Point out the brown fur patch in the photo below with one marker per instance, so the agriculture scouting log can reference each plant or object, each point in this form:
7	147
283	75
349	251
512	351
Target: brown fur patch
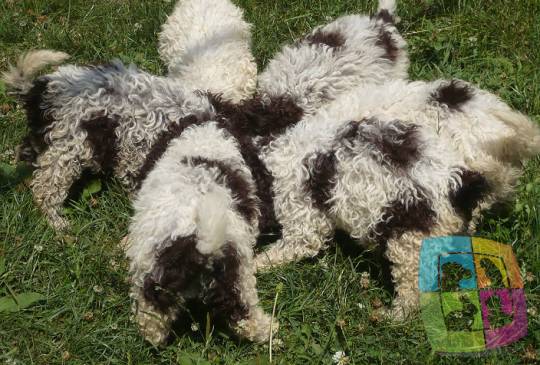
234	180
473	189
38	120
322	173
102	137
36	110
161	143
223	296
385	40
452	94
399	218
257	116
385	16
183	274
178	268
330	39
264	181
264	118
396	142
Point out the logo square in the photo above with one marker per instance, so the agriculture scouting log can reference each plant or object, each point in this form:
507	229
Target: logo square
513	304
471	294
436	307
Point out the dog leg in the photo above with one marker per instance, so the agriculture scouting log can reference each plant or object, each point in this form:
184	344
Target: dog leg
304	240
57	170
258	325
307	227
404	254
154	325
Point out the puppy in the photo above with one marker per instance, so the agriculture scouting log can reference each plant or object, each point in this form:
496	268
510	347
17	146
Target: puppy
349	52
102	118
106	118
392	164
193	232
206	44
192	235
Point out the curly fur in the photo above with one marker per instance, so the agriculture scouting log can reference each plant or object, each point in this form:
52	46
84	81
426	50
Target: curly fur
71	110
192	236
405	168
206	44
334	139
78	106
351	51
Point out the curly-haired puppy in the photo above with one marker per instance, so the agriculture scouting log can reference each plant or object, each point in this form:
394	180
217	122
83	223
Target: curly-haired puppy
202	204
351	51
206	43
392	164
106	118
193	233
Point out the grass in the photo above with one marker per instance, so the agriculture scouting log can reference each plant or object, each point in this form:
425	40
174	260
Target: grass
323	306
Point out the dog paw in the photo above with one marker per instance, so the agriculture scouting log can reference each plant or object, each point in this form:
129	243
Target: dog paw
257	327
396	314
59	223
262	262
153	328
124	243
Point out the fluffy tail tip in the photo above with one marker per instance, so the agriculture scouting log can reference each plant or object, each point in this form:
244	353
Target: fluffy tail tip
212	221
389	5
29	64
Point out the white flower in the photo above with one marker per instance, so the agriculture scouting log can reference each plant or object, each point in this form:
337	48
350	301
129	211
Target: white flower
361	305
323	264
194	327
10	153
364	280
113	263
137	26
277	343
38	248
12	361
340	358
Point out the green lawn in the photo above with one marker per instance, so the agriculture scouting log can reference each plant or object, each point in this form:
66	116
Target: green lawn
84	317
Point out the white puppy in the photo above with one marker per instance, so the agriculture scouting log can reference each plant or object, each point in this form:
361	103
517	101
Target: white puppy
206	44
392	164
352	51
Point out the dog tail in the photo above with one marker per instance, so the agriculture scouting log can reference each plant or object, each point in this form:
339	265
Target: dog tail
212	221
18	78
526	140
388	5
